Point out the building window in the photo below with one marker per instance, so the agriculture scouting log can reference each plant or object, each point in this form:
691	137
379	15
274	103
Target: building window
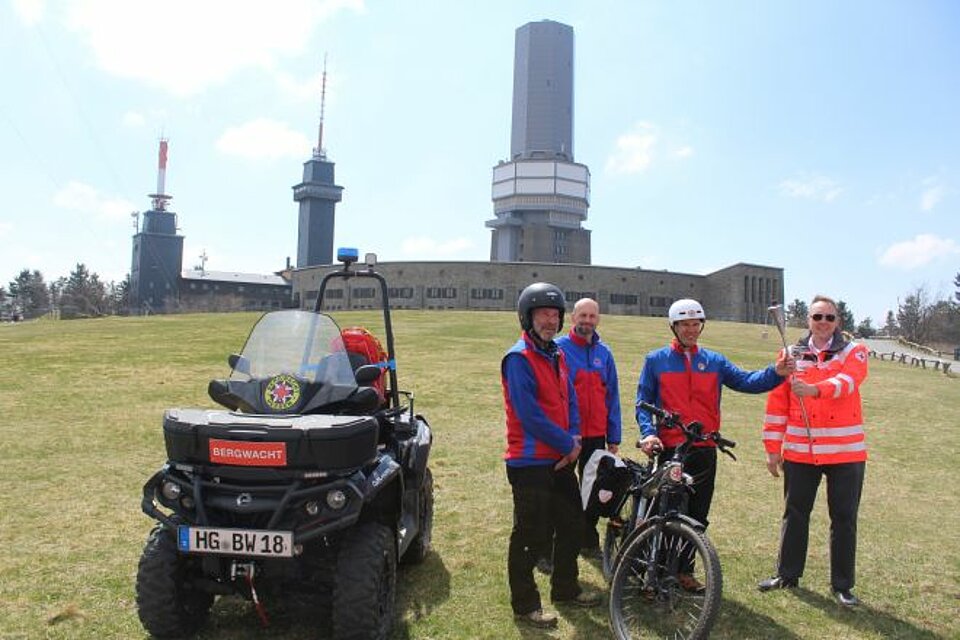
623	298
573	296
333	294
486	294
400	292
659	301
364	292
442	292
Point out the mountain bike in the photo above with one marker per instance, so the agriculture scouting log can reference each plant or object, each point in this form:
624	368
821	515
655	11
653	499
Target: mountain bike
665	575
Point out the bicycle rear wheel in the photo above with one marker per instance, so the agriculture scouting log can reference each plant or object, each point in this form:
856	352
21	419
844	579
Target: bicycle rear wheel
648	599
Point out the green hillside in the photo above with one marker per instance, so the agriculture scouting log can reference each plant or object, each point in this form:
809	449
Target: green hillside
81	403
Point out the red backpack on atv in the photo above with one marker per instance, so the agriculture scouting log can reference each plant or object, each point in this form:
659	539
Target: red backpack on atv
364	348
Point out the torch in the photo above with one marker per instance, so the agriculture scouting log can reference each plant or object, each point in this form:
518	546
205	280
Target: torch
776	312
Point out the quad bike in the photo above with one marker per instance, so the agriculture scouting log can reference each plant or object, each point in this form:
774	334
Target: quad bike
312	483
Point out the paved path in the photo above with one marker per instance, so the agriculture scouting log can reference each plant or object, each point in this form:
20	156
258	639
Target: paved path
882	346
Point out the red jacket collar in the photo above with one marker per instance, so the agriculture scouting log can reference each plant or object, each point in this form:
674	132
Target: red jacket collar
581	341
679	348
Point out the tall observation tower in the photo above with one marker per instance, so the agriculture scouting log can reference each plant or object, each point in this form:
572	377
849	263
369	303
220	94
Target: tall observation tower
318	195
157	251
540	195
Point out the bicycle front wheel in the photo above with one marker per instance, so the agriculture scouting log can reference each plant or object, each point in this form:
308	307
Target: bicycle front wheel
656	594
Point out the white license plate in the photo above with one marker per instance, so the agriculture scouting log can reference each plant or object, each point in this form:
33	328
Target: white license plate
235	542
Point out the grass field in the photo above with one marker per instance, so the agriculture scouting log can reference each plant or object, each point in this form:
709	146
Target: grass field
81	403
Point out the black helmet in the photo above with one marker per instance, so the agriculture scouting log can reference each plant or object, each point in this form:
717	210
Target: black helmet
540	294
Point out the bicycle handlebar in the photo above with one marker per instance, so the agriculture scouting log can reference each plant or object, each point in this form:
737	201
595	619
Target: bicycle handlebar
691	430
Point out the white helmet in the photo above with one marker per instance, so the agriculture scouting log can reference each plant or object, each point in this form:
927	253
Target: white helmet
686	309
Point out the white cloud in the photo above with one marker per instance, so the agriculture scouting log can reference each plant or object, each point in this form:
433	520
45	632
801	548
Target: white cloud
425	248
5	228
83	198
811	187
134	119
686	151
30	11
263	139
920	251
931	195
635	150
206	41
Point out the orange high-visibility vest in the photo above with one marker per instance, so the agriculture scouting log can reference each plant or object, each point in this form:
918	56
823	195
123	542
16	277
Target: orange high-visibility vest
836	415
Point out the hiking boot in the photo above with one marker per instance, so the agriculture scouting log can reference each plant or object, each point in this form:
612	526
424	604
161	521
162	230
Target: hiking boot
545	566
690	584
778	582
586	598
538	618
846	598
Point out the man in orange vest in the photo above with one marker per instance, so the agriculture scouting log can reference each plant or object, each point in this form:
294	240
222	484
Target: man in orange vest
813	428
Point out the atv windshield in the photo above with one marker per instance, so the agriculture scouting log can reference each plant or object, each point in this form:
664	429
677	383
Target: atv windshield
301	343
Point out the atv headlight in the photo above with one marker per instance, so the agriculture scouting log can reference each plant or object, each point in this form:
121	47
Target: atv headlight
171	490
312	508
336	499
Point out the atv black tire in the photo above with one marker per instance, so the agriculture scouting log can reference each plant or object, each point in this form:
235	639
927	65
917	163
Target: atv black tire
365	584
420	546
167	605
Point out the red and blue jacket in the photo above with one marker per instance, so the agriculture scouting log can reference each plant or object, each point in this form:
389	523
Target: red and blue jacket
594	376
691	387
541	404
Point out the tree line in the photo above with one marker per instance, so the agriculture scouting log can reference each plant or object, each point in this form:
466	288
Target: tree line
81	295
919	318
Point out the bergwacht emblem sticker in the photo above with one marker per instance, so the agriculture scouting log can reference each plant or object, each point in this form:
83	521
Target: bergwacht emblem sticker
282	392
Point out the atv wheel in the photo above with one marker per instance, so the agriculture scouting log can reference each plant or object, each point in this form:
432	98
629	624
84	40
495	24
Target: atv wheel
420	546
168	605
364	592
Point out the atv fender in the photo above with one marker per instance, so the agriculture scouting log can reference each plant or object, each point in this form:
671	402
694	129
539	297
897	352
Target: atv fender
380	477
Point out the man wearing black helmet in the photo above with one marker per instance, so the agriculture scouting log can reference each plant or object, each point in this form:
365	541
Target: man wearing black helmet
686	379
543	443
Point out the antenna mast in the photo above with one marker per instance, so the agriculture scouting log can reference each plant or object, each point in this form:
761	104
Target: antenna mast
320	152
160	198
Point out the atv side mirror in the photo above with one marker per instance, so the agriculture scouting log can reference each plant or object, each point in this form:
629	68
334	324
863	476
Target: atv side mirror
367	374
238	363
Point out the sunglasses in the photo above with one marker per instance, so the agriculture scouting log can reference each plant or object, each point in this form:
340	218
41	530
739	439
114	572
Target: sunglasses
817	317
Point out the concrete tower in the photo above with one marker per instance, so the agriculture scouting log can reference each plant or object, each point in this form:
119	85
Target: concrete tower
318	196
540	195
157	252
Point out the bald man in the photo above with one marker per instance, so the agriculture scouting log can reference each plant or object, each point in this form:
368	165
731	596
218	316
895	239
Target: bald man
594	374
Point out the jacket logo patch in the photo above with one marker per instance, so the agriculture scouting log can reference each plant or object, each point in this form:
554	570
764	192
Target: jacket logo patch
701	366
596	362
861	356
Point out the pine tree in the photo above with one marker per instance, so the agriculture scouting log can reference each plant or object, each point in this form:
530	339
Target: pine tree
30	294
797	313
83	296
890	326
846	316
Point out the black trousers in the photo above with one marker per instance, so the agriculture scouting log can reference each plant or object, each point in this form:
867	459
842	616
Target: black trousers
701	464
545	502
591	539
844	486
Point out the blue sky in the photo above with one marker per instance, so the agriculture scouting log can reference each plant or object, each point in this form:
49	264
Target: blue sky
819	136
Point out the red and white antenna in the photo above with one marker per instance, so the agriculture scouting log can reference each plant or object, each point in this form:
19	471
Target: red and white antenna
319	151
160	198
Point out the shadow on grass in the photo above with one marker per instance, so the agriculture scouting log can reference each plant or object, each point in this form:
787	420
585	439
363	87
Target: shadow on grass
420	588
739	621
866	619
